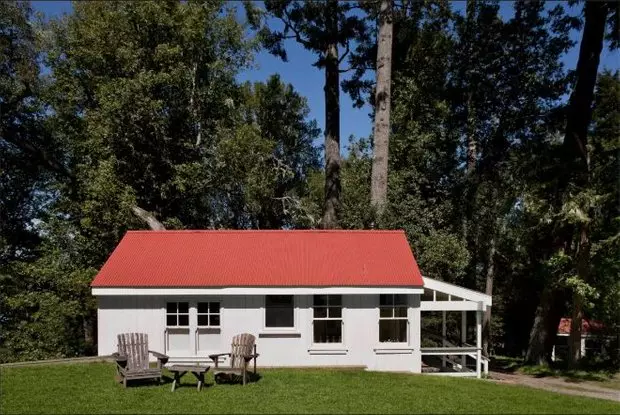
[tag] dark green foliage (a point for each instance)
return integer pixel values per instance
(139, 107)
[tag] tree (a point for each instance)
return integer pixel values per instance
(134, 99)
(23, 146)
(576, 144)
(321, 27)
(383, 102)
(265, 157)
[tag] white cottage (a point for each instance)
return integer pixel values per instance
(311, 298)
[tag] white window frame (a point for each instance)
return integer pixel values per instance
(209, 314)
(393, 317)
(341, 318)
(177, 314)
(292, 329)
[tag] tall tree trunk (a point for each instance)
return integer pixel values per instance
(490, 275)
(544, 330)
(580, 109)
(332, 130)
(583, 265)
(472, 144)
(576, 143)
(379, 183)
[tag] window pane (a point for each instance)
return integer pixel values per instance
(400, 299)
(171, 308)
(203, 307)
(183, 320)
(214, 320)
(279, 317)
(386, 312)
(320, 312)
(171, 320)
(385, 299)
(327, 331)
(400, 311)
(335, 312)
(279, 300)
(320, 300)
(214, 307)
(183, 307)
(393, 331)
(335, 300)
(203, 320)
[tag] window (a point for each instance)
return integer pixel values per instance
(177, 314)
(327, 324)
(392, 318)
(209, 314)
(279, 311)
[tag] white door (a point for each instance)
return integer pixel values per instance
(178, 329)
(207, 331)
(193, 327)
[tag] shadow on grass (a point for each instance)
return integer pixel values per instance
(234, 379)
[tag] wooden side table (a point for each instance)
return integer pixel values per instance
(198, 371)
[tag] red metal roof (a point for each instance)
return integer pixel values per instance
(305, 258)
(587, 326)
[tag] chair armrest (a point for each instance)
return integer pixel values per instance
(249, 357)
(215, 356)
(158, 355)
(119, 357)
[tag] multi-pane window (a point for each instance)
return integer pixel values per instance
(279, 311)
(393, 318)
(177, 314)
(209, 314)
(327, 323)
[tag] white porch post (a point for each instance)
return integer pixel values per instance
(583, 346)
(553, 353)
(478, 344)
(415, 318)
(443, 337)
(463, 337)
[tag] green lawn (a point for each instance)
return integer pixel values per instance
(90, 388)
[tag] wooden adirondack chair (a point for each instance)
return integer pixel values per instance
(132, 359)
(243, 349)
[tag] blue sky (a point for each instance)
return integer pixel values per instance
(308, 80)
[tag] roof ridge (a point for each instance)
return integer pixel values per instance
(389, 231)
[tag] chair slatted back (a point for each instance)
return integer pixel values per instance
(242, 345)
(136, 347)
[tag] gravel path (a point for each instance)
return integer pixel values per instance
(557, 385)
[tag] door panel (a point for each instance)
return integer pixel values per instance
(178, 342)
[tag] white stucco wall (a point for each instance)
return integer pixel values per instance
(277, 347)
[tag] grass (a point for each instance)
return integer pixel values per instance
(604, 378)
(90, 388)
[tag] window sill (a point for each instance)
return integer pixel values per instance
(209, 330)
(279, 334)
(327, 349)
(395, 348)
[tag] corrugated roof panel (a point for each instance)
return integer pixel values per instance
(260, 258)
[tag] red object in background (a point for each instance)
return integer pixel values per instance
(587, 326)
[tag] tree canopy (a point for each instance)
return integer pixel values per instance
(131, 115)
